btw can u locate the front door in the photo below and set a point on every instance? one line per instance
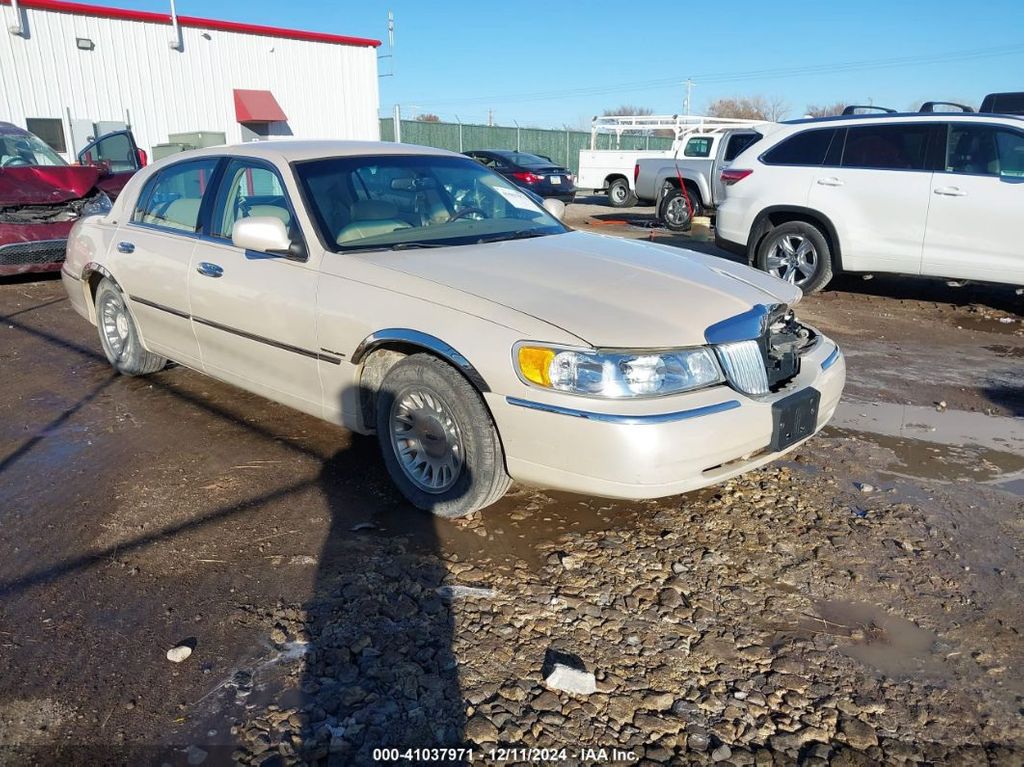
(118, 155)
(254, 313)
(974, 230)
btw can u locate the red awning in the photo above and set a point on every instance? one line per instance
(257, 107)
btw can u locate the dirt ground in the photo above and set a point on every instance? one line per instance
(859, 603)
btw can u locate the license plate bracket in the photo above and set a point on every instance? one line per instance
(555, 179)
(794, 418)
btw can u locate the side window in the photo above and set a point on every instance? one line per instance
(249, 189)
(806, 148)
(889, 147)
(115, 151)
(984, 150)
(698, 146)
(173, 197)
(737, 143)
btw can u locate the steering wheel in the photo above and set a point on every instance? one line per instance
(466, 211)
(15, 161)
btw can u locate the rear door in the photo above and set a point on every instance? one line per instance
(877, 194)
(255, 313)
(974, 229)
(118, 155)
(152, 255)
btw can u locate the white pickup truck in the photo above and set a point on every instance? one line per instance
(689, 184)
(611, 170)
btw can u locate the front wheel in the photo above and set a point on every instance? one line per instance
(439, 443)
(119, 336)
(798, 253)
(620, 195)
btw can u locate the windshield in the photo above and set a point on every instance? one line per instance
(396, 201)
(24, 149)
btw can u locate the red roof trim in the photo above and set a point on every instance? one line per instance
(257, 107)
(193, 21)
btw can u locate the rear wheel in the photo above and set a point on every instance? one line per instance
(620, 195)
(119, 336)
(438, 440)
(798, 253)
(674, 211)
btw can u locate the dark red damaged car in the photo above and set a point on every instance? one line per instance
(41, 196)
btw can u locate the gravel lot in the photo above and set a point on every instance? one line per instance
(858, 604)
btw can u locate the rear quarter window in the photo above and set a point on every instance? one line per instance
(698, 146)
(887, 147)
(808, 147)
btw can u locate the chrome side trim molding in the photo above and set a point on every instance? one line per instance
(627, 420)
(160, 307)
(831, 359)
(425, 341)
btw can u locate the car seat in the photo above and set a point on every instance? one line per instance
(371, 218)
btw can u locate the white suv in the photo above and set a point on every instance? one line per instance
(928, 194)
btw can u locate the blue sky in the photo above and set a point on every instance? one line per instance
(555, 63)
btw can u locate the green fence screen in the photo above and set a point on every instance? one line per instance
(562, 146)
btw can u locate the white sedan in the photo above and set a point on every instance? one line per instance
(415, 294)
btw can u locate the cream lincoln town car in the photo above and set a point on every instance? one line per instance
(415, 294)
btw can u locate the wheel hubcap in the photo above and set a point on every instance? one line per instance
(676, 212)
(618, 193)
(426, 440)
(792, 258)
(114, 320)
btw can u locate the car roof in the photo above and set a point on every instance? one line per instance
(293, 150)
(903, 117)
(10, 129)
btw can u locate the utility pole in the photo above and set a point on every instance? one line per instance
(689, 95)
(490, 118)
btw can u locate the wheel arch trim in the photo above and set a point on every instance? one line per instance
(758, 230)
(425, 341)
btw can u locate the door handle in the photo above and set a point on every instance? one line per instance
(207, 269)
(830, 181)
(126, 247)
(950, 191)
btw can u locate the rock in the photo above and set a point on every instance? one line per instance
(195, 755)
(481, 730)
(658, 701)
(180, 653)
(669, 598)
(546, 701)
(864, 487)
(571, 680)
(858, 733)
(721, 753)
(461, 592)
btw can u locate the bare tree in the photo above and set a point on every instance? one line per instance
(427, 117)
(629, 111)
(825, 110)
(749, 108)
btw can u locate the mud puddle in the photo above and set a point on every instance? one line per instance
(947, 445)
(890, 644)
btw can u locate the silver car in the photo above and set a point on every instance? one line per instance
(415, 294)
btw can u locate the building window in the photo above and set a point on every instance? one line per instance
(50, 130)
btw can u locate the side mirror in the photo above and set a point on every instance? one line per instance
(265, 234)
(555, 207)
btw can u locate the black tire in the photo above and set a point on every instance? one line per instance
(674, 212)
(620, 195)
(795, 233)
(481, 478)
(118, 335)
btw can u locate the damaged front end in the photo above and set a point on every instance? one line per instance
(38, 207)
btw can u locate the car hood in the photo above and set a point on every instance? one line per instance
(609, 292)
(43, 185)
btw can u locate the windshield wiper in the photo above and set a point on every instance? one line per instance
(396, 246)
(524, 234)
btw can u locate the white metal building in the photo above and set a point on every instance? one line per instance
(69, 71)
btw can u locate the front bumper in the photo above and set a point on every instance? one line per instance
(33, 247)
(653, 448)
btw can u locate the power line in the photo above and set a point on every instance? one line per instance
(729, 77)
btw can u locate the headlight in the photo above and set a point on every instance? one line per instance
(99, 205)
(620, 374)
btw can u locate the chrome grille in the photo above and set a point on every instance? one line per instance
(743, 365)
(33, 252)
